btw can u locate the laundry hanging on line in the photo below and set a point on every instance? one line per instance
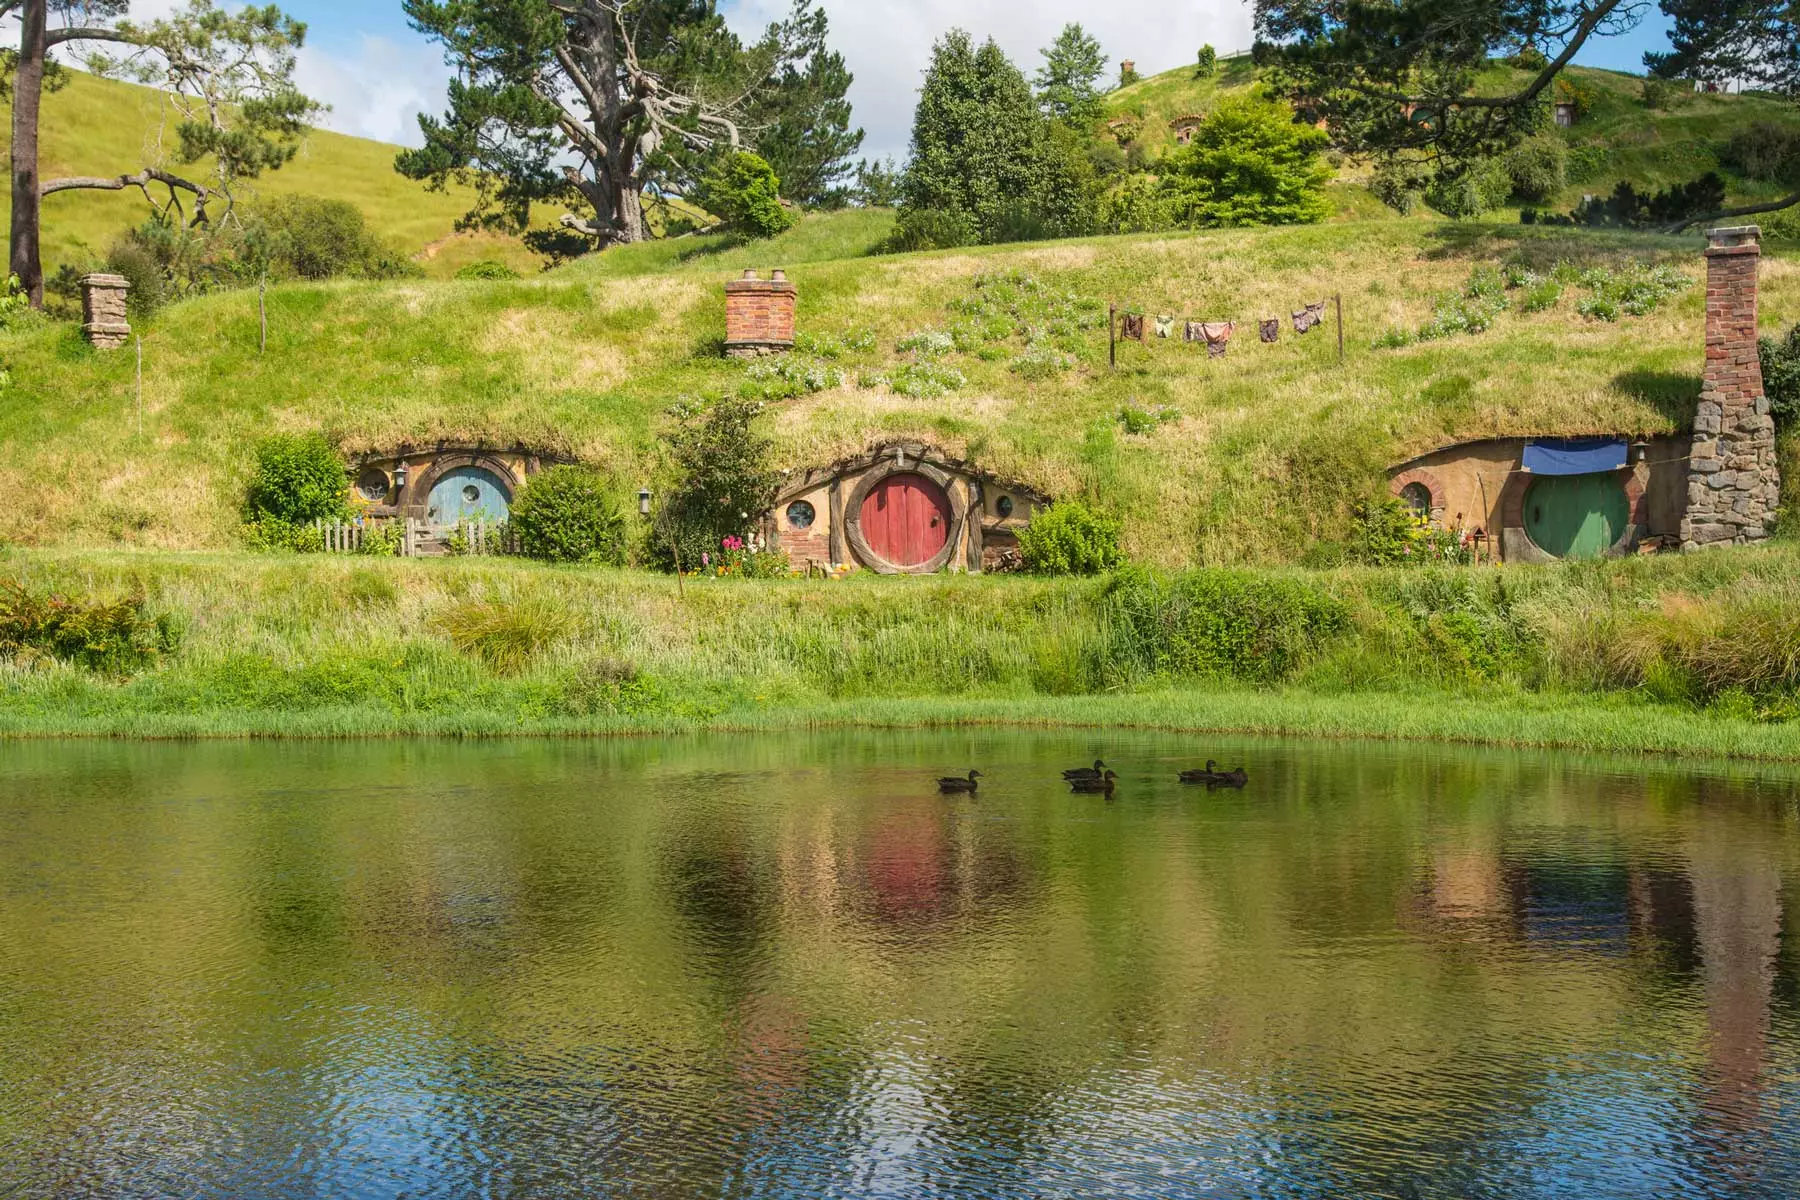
(1165, 326)
(1193, 332)
(1306, 318)
(1131, 326)
(1270, 329)
(1217, 334)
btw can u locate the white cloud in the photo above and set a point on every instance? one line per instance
(887, 43)
(378, 89)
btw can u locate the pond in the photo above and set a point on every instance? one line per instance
(787, 967)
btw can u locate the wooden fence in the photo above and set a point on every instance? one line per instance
(417, 539)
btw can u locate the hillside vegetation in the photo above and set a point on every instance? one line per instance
(1252, 457)
(1618, 139)
(98, 126)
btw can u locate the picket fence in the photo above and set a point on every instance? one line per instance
(420, 540)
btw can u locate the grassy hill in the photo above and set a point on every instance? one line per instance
(1618, 139)
(100, 126)
(1256, 457)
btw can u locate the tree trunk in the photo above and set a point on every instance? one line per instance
(631, 216)
(28, 93)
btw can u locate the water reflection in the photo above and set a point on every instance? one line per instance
(787, 967)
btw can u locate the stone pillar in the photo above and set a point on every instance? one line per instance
(103, 310)
(1734, 484)
(759, 315)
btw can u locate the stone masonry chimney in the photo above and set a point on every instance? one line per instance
(759, 315)
(103, 320)
(1734, 484)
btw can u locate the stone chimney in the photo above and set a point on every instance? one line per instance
(1734, 484)
(103, 320)
(759, 315)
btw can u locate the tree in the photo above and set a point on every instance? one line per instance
(591, 102)
(725, 480)
(877, 183)
(1249, 163)
(1067, 83)
(801, 116)
(981, 151)
(1206, 63)
(227, 75)
(1398, 78)
(1754, 41)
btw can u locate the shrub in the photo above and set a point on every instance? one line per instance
(1135, 205)
(1765, 150)
(1399, 185)
(1040, 362)
(1529, 58)
(149, 285)
(930, 229)
(566, 514)
(506, 635)
(486, 268)
(1657, 93)
(1540, 296)
(298, 478)
(1252, 626)
(1587, 162)
(1249, 163)
(1537, 167)
(926, 380)
(1577, 95)
(786, 378)
(726, 480)
(743, 191)
(1206, 62)
(1070, 539)
(116, 636)
(1480, 187)
(1781, 375)
(311, 237)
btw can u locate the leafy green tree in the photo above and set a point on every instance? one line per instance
(1068, 83)
(742, 190)
(725, 478)
(585, 102)
(983, 154)
(1249, 163)
(297, 478)
(878, 183)
(226, 74)
(801, 117)
(568, 514)
(1206, 63)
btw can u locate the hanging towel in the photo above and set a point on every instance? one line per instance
(1165, 326)
(1306, 318)
(1193, 333)
(1270, 328)
(1217, 333)
(1131, 326)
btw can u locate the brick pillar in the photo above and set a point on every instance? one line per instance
(103, 310)
(759, 315)
(1734, 485)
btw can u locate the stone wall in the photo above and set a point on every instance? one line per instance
(103, 320)
(1734, 484)
(759, 315)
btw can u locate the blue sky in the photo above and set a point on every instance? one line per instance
(378, 74)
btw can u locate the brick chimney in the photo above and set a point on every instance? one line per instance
(1733, 482)
(103, 320)
(759, 315)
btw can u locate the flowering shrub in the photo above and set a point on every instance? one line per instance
(745, 558)
(1390, 534)
(787, 378)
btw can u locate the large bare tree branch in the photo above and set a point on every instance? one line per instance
(142, 181)
(91, 33)
(1726, 214)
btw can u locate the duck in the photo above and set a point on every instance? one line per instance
(1102, 785)
(954, 784)
(1204, 774)
(1093, 772)
(1234, 778)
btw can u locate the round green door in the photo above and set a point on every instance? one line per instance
(1576, 516)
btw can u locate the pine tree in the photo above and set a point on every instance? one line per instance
(1068, 82)
(802, 118)
(981, 150)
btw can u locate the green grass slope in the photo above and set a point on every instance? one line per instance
(1269, 443)
(100, 126)
(1619, 139)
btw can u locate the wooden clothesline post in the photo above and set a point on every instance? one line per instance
(1338, 297)
(1112, 339)
(140, 384)
(262, 314)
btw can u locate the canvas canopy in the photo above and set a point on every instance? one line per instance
(1574, 456)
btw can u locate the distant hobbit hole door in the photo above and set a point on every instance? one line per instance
(468, 493)
(1417, 497)
(906, 519)
(1577, 516)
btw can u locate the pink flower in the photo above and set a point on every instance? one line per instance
(705, 559)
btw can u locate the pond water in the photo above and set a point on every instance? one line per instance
(786, 967)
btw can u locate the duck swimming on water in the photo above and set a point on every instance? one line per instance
(955, 784)
(1101, 786)
(1093, 772)
(1211, 776)
(1204, 774)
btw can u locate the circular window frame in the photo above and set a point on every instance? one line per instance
(885, 468)
(1004, 507)
(812, 515)
(365, 481)
(418, 488)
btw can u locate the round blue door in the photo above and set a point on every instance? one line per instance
(467, 494)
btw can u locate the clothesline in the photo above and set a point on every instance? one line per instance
(1131, 327)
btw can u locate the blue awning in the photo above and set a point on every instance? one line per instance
(1574, 456)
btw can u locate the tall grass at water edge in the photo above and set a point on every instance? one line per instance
(322, 646)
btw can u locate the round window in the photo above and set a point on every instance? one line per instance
(471, 493)
(1004, 506)
(800, 515)
(1418, 498)
(372, 485)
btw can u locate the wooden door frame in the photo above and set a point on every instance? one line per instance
(955, 496)
(418, 488)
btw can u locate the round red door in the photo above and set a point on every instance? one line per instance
(906, 519)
